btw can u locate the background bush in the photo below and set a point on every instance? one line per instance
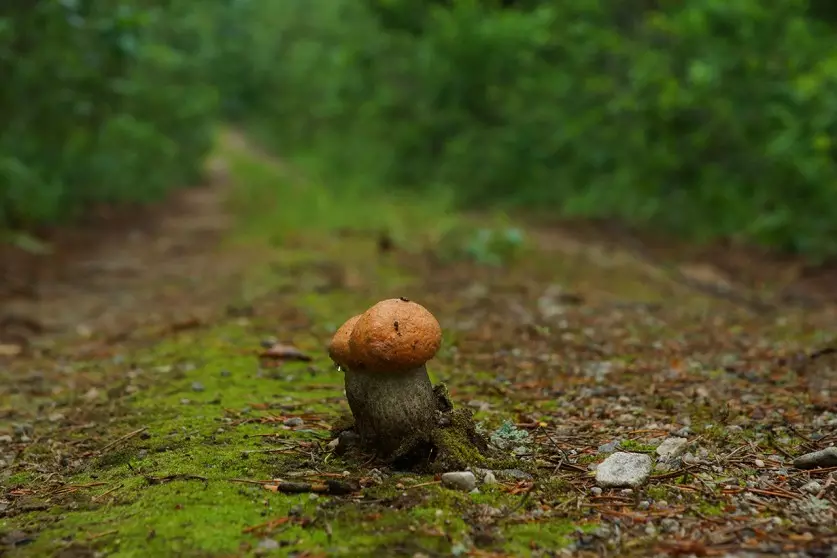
(100, 102)
(706, 118)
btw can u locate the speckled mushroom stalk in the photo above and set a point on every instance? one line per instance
(383, 354)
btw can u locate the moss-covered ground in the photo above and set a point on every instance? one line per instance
(175, 440)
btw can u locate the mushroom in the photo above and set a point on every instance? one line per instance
(382, 353)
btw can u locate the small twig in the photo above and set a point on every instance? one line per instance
(675, 474)
(423, 484)
(104, 534)
(105, 493)
(168, 478)
(248, 481)
(331, 487)
(124, 438)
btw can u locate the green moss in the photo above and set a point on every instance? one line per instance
(710, 509)
(526, 539)
(19, 479)
(634, 446)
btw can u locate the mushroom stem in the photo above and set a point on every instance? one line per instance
(390, 408)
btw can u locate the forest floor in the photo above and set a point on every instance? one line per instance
(164, 377)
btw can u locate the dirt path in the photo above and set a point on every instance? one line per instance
(142, 419)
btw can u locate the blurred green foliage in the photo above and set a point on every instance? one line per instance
(706, 118)
(100, 102)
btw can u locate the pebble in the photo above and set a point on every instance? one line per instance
(758, 463)
(596, 491)
(23, 429)
(268, 544)
(459, 480)
(624, 470)
(479, 405)
(626, 419)
(6, 439)
(669, 525)
(333, 444)
(489, 478)
(690, 459)
(684, 432)
(812, 487)
(197, 386)
(609, 447)
(294, 421)
(644, 505)
(671, 447)
(822, 458)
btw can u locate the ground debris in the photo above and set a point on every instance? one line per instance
(547, 382)
(174, 477)
(822, 458)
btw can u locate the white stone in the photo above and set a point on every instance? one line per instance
(672, 447)
(623, 469)
(459, 480)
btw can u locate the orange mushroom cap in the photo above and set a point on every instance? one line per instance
(338, 349)
(394, 335)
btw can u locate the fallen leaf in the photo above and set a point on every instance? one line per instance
(284, 352)
(10, 349)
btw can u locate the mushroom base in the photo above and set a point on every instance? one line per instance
(391, 409)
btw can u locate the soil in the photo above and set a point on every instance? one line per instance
(166, 391)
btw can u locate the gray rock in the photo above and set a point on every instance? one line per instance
(459, 480)
(822, 458)
(294, 421)
(609, 447)
(596, 491)
(624, 469)
(812, 487)
(671, 447)
(6, 439)
(197, 386)
(489, 478)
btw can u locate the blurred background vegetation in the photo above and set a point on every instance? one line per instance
(707, 119)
